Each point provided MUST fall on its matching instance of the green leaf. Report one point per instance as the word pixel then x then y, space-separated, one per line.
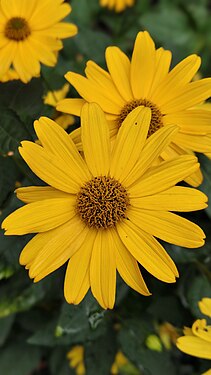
pixel 5 327
pixel 200 287
pixel 205 164
pixel 9 175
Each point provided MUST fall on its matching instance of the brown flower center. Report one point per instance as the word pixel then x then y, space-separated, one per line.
pixel 156 119
pixel 17 28
pixel 102 202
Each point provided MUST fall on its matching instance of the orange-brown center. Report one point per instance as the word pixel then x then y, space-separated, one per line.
pixel 17 28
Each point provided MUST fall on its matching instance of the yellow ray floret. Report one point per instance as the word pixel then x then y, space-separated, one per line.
pixel 102 212
pixel 30 34
pixel 117 5
pixel 146 80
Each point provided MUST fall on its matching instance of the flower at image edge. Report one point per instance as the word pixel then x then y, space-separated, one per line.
pixel 197 340
pixel 101 213
pixel 31 34
pixel 117 5
pixel 147 80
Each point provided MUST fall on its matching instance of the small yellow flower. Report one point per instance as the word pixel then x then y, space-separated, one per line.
pixel 102 212
pixel 30 34
pixel 147 80
pixel 117 5
pixel 168 334
pixel 197 340
pixel 52 98
pixel 76 359
pixel 119 362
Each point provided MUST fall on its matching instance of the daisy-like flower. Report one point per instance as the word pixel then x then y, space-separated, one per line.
pixel 117 5
pixel 30 33
pixel 197 340
pixel 102 212
pixel 76 359
pixel 146 80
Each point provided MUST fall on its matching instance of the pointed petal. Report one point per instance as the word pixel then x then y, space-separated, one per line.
pixel 164 176
pixel 77 278
pixel 177 198
pixel 95 139
pixel 193 121
pixel 148 252
pixel 31 194
pixel 59 249
pixel 129 142
pixel 71 106
pixel 103 270
pixel 162 65
pixel 153 147
pixel 197 143
pixel 127 265
pixel 119 69
pixel 194 346
pixel 168 227
pixel 40 216
pixel 142 65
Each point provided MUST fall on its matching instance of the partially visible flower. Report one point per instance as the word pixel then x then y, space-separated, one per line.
pixel 52 98
pixel 103 212
pixel 147 81
pixel 10 76
pixel 168 334
pixel 197 340
pixel 76 359
pixel 154 343
pixel 119 362
pixel 30 34
pixel 117 5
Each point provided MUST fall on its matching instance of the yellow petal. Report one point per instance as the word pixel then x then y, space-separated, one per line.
pixel 162 65
pixel 202 330
pixel 168 227
pixel 205 306
pixel 92 92
pixel 77 279
pixel 56 141
pixel 148 252
pixel 153 147
pixel 189 96
pixel 103 270
pixel 127 265
pixel 40 216
pixel 194 346
pixel 177 198
pixel 193 121
pixel 197 143
pixel 95 139
pixel 31 194
pixel 129 142
pixel 51 168
pixel 142 65
pixel 177 77
pixel 59 249
pixel 71 106
pixel 119 69
pixel 164 176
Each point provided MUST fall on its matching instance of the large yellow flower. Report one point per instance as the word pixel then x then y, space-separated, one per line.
pixel 117 5
pixel 102 212
pixel 146 80
pixel 30 33
pixel 197 340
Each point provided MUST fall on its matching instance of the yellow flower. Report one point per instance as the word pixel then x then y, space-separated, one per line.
pixel 102 212
pixel 52 98
pixel 30 33
pixel 10 76
pixel 146 80
pixel 197 340
pixel 117 5
pixel 76 359
pixel 168 334
pixel 119 362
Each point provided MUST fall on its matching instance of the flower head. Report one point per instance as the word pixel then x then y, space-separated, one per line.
pixel 76 359
pixel 197 340
pixel 117 5
pixel 147 81
pixel 31 34
pixel 102 212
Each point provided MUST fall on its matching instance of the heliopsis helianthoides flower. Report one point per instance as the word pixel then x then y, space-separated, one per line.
pixel 102 212
pixel 76 359
pixel 146 80
pixel 30 34
pixel 117 5
pixel 52 98
pixel 197 340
